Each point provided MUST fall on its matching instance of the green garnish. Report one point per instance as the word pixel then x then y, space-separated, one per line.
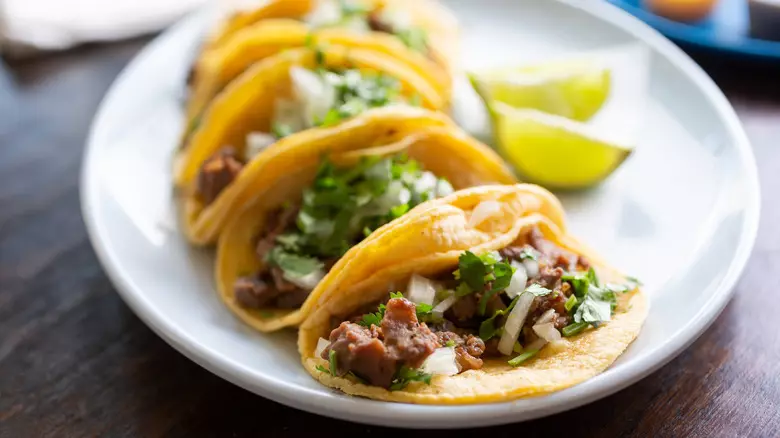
pixel 574 329
pixel 517 348
pixel 322 369
pixel 413 37
pixel 449 343
pixel 475 273
pixel 528 254
pixel 356 92
pixel 538 290
pixel 280 130
pixel 405 375
pixel 332 362
pixel 570 303
pixel 592 310
pixel 370 319
pixel 342 205
pixel 517 360
pixel 488 329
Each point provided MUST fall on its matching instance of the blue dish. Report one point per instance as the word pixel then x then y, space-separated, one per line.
pixel 726 29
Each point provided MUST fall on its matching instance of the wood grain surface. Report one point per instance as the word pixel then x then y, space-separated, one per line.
pixel 75 361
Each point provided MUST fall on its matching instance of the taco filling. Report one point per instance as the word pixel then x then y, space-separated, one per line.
pixel 320 98
pixel 300 242
pixel 358 17
pixel 501 304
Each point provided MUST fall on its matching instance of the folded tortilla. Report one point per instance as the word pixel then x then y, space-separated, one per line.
pixel 430 241
pixel 217 67
pixel 439 22
pixel 443 150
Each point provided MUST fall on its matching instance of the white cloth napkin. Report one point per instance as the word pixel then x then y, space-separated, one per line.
pixel 30 26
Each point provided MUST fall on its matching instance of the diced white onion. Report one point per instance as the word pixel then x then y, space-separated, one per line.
pixel 484 211
pixel 514 323
pixel 427 181
pixel 322 344
pixel 316 95
pixel 547 331
pixel 441 361
pixel 256 142
pixel 519 279
pixel 421 290
pixel 324 13
pixel 444 305
pixel 531 267
pixel 443 188
pixel 548 316
pixel 308 281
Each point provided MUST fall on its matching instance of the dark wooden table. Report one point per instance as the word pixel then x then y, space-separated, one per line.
pixel 75 361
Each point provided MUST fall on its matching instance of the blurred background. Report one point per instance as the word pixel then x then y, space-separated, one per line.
pixel 747 28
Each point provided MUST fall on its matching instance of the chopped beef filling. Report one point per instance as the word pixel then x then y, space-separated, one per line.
pixel 468 349
pixel 377 353
pixel 376 23
pixel 216 173
pixel 554 255
pixel 269 287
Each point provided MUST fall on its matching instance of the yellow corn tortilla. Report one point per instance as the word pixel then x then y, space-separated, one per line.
pixel 261 176
pixel 430 242
pixel 217 67
pixel 439 23
pixel 445 151
pixel 247 104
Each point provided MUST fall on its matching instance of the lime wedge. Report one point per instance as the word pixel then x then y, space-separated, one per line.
pixel 554 151
pixel 573 88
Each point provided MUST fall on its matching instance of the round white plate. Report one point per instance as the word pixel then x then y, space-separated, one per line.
pixel 681 214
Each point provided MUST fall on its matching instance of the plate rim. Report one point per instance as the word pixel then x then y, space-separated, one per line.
pixel 437 416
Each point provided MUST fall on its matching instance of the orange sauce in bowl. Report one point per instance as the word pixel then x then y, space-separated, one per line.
pixel 682 10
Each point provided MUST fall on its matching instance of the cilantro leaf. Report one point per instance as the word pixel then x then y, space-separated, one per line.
pixel 538 290
pixel 517 360
pixel 294 265
pixel 322 369
pixel 405 375
pixel 574 329
pixel 414 37
pixel 570 303
pixel 488 329
pixel 593 311
pixel 449 343
pixel 333 362
pixel 471 271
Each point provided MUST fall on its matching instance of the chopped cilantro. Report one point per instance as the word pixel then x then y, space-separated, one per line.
pixel 449 343
pixel 574 329
pixel 488 328
pixel 475 273
pixel 517 360
pixel 592 310
pixel 292 264
pixel 405 375
pixel 471 271
pixel 424 312
pixel 322 369
pixel 538 290
pixel 528 254
pixel 356 92
pixel 280 130
pixel 413 37
pixel 319 56
pixel 332 362
pixel 396 295
pixel 343 206
pixel 570 303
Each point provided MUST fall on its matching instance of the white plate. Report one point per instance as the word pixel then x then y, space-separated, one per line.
pixel 681 214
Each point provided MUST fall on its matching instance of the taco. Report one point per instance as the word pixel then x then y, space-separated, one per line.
pixel 422 25
pixel 481 297
pixel 229 180
pixel 215 68
pixel 294 91
pixel 273 255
